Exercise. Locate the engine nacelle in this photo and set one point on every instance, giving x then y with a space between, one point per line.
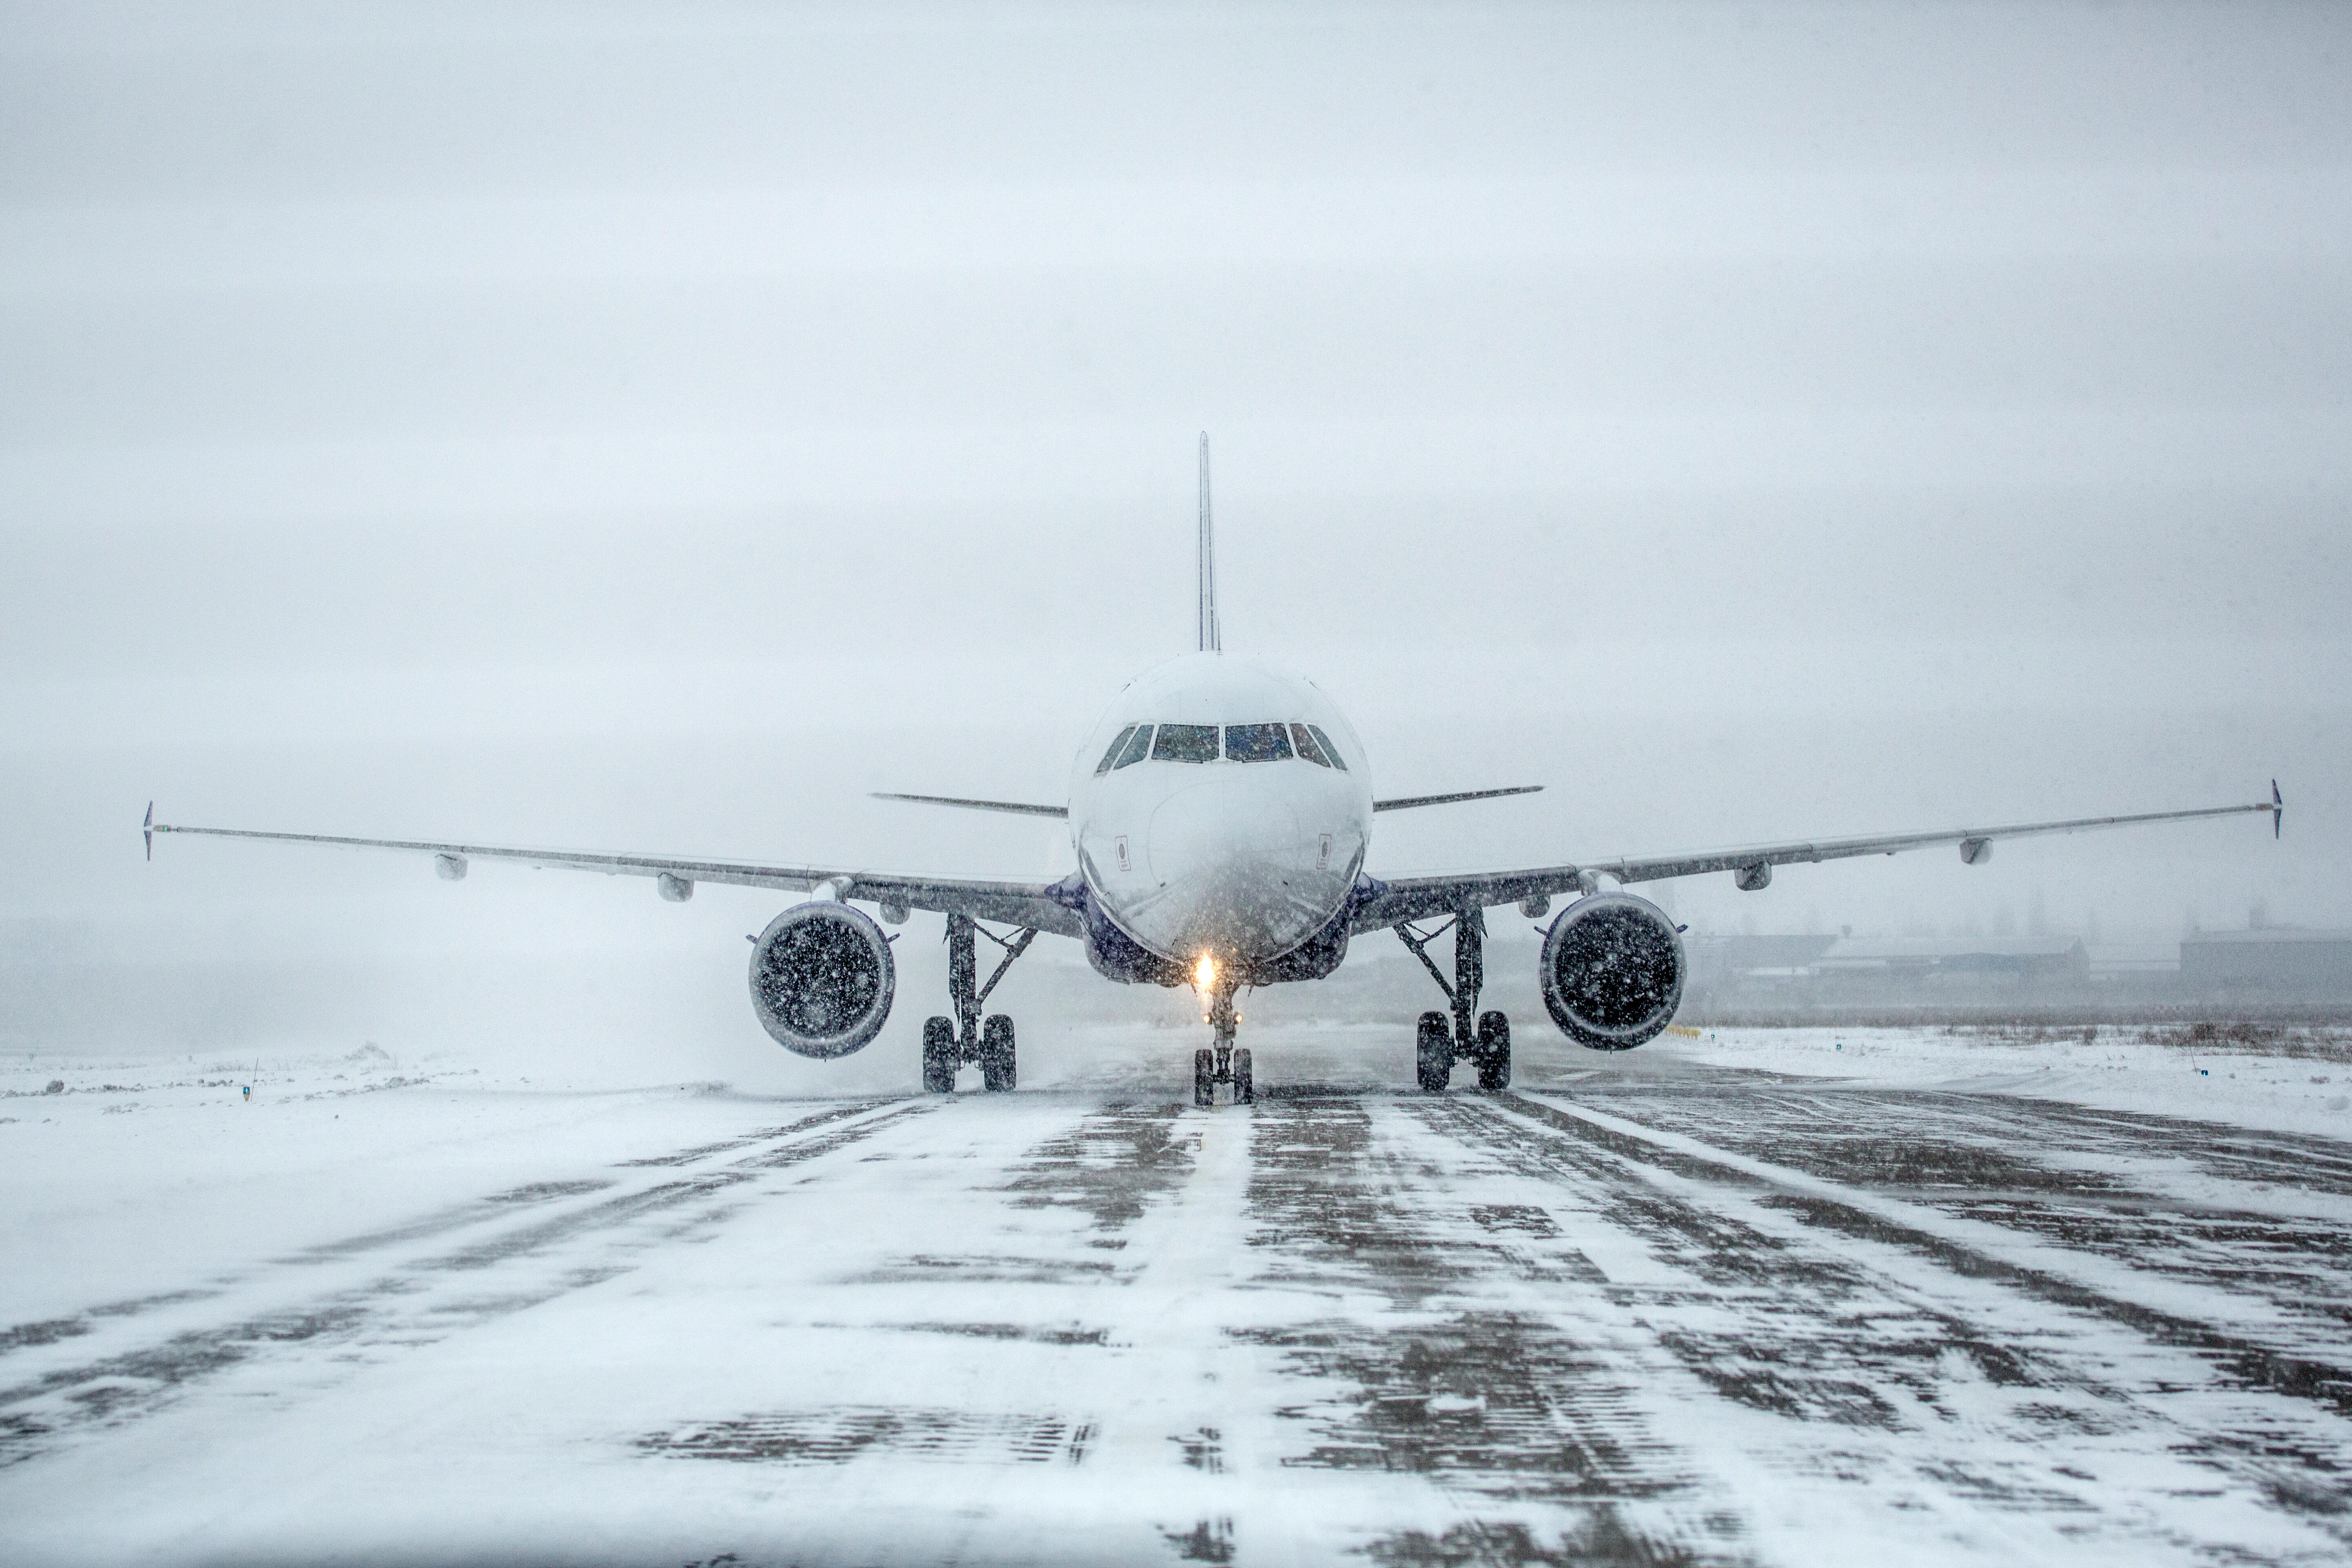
822 979
1612 970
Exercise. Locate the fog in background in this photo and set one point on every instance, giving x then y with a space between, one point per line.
657 429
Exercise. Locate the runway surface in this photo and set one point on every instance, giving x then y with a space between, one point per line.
1707 1316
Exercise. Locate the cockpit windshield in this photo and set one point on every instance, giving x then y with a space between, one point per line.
1256 743
1273 741
1110 757
1185 743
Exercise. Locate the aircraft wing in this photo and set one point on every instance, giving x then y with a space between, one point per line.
1011 903
1413 898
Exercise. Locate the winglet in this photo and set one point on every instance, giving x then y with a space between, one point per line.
1210 640
2278 808
147 830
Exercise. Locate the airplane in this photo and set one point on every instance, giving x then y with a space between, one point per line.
1222 810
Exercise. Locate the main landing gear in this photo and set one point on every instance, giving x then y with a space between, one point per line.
1438 1041
1223 1064
949 1043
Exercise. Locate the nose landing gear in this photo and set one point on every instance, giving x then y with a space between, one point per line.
1223 1064
1439 1041
949 1043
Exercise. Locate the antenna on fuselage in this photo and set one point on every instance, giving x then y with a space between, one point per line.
1210 640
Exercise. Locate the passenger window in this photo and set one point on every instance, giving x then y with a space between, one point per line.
1256 744
1329 750
1112 755
1137 749
1306 747
1185 743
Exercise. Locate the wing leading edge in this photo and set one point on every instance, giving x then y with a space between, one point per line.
1018 808
1011 903
1406 803
1411 898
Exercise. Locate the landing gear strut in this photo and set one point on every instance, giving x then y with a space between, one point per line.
1223 1064
1484 1040
949 1043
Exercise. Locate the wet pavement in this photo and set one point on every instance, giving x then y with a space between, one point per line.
1716 1317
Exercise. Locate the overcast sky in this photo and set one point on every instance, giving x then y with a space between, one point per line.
654 429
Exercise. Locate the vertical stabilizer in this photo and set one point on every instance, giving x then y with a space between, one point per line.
1210 639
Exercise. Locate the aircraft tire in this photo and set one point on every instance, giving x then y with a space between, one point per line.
1204 1077
940 1062
1433 1041
1244 1084
1494 1051
996 1074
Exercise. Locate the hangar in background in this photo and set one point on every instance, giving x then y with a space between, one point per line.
2287 961
2034 961
1758 978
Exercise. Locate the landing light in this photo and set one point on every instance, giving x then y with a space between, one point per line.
1204 973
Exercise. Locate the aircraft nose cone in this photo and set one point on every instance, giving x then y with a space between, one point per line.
1237 866
1205 827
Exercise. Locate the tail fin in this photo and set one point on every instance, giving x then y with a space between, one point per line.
1210 640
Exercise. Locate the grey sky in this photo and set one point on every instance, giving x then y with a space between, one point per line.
654 430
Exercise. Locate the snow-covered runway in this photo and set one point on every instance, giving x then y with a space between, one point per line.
1704 1314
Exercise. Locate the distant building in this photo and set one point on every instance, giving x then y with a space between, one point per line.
1722 957
1820 971
2028 961
2276 961
1822 977
1750 970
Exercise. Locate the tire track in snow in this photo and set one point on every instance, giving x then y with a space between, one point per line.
1721 1105
495 1207
1811 1305
412 1304
1506 1398
2147 1195
1973 1245
1045 1253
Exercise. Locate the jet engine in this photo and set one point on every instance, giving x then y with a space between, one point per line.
1612 970
822 979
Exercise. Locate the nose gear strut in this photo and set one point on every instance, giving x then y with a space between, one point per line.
1222 1063
1481 1038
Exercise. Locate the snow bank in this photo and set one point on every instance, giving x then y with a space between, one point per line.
2158 1072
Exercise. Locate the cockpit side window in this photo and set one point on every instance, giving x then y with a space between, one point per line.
1329 750
1306 747
1256 743
1185 743
1137 749
1116 746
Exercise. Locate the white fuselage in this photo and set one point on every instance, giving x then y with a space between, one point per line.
1214 841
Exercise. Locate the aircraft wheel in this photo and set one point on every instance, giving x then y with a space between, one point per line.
1204 1077
1244 1086
1434 1051
996 1053
1494 1051
940 1062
